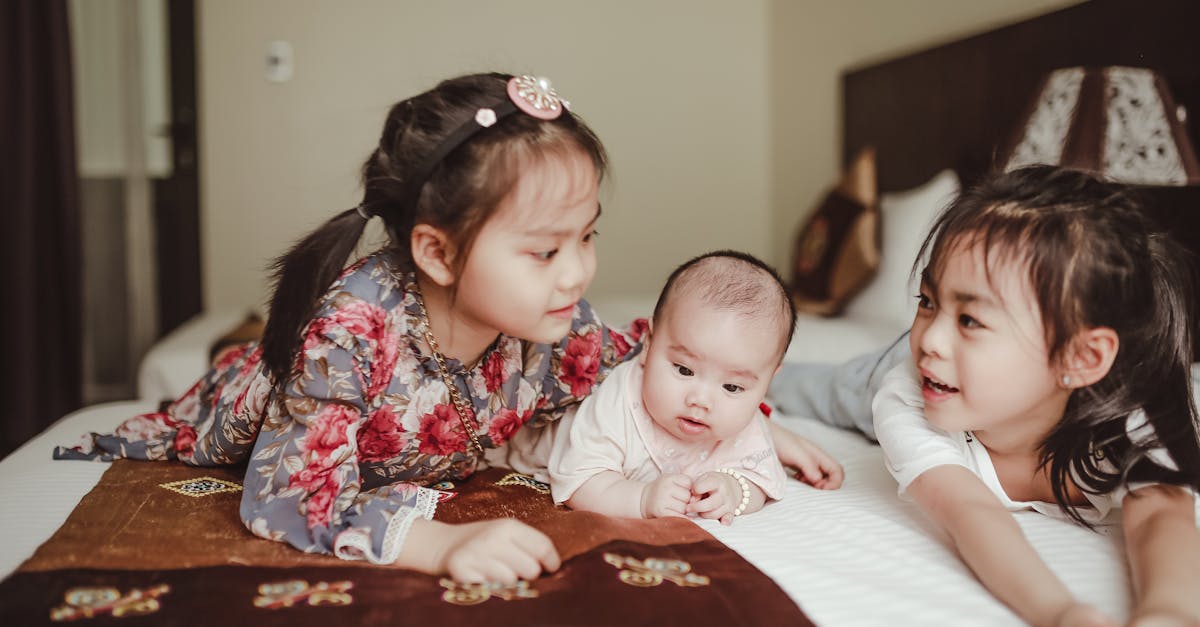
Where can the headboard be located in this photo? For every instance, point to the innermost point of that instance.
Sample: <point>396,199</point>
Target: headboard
<point>955,105</point>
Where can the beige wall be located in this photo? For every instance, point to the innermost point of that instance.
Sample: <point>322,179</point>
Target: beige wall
<point>812,42</point>
<point>720,117</point>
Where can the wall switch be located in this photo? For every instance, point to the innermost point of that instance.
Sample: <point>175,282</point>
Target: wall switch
<point>280,66</point>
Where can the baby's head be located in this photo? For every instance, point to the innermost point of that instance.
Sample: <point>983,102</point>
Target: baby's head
<point>719,332</point>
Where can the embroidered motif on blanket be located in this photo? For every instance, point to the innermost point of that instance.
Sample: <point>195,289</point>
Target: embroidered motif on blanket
<point>201,486</point>
<point>654,570</point>
<point>90,602</point>
<point>476,593</point>
<point>280,594</point>
<point>516,478</point>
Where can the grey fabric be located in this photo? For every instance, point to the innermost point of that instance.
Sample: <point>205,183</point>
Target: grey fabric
<point>839,394</point>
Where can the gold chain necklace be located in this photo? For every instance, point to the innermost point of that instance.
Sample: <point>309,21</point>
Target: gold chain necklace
<point>460,404</point>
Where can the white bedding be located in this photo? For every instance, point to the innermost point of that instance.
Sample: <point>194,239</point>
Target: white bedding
<point>855,556</point>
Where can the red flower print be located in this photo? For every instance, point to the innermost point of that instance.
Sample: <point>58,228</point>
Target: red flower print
<point>319,505</point>
<point>441,432</point>
<point>505,423</point>
<point>619,343</point>
<point>361,319</point>
<point>493,371</point>
<point>328,430</point>
<point>386,351</point>
<point>382,438</point>
<point>581,362</point>
<point>185,439</point>
<point>637,328</point>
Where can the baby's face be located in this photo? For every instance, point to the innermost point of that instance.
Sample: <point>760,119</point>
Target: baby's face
<point>706,370</point>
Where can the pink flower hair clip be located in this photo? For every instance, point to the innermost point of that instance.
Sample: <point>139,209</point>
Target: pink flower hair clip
<point>536,96</point>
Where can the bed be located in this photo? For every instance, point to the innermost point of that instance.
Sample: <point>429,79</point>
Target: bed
<point>858,555</point>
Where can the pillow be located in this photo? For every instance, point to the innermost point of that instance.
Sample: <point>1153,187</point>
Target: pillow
<point>907,217</point>
<point>837,250</point>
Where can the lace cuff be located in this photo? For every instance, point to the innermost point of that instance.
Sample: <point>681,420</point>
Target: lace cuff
<point>355,543</point>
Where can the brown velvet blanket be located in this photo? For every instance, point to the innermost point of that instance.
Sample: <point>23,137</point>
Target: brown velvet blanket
<point>161,543</point>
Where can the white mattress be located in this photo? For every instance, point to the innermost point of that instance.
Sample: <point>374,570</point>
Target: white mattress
<point>854,556</point>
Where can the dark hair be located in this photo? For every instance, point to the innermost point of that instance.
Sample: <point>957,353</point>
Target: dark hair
<point>735,281</point>
<point>1094,260</point>
<point>458,196</point>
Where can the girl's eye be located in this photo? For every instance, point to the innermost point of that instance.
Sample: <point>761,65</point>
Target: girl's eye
<point>967,322</point>
<point>591,235</point>
<point>732,389</point>
<point>546,255</point>
<point>924,302</point>
<point>683,370</point>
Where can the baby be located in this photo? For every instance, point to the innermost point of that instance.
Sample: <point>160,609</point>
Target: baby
<point>681,429</point>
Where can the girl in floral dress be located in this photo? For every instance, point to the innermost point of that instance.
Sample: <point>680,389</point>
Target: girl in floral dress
<point>401,370</point>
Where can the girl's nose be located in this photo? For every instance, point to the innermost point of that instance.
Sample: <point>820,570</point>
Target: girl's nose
<point>576,271</point>
<point>934,339</point>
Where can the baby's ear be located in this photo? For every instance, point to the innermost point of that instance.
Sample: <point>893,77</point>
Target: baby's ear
<point>1089,357</point>
<point>646,342</point>
<point>433,253</point>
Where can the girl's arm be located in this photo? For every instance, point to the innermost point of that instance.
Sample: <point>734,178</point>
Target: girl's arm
<point>992,544</point>
<point>814,466</point>
<point>609,492</point>
<point>1164,552</point>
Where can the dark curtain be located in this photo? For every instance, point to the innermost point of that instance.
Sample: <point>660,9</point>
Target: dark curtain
<point>41,343</point>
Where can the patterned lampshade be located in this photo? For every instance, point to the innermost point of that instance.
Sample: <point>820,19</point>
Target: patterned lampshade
<point>1120,123</point>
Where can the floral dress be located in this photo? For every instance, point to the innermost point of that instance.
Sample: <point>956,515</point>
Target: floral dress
<point>339,457</point>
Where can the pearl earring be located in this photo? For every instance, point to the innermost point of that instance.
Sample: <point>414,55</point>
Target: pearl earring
<point>1066,380</point>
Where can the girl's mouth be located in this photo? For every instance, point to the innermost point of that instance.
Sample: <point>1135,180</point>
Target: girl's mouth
<point>563,312</point>
<point>938,387</point>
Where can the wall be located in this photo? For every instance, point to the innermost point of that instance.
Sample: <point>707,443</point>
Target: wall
<point>811,43</point>
<point>676,89</point>
<point>720,117</point>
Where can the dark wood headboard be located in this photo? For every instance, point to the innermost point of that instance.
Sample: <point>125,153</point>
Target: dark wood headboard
<point>955,105</point>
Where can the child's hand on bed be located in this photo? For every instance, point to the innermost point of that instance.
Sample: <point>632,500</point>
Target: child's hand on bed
<point>667,496</point>
<point>813,465</point>
<point>501,550</point>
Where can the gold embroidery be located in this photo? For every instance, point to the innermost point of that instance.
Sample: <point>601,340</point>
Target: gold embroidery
<point>653,570</point>
<point>201,486</point>
<point>475,593</point>
<point>516,478</point>
<point>275,595</point>
<point>92,602</point>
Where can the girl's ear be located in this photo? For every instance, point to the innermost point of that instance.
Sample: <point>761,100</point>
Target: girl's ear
<point>432,253</point>
<point>1090,357</point>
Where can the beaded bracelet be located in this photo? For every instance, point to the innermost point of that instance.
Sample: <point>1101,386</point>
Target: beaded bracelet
<point>743,484</point>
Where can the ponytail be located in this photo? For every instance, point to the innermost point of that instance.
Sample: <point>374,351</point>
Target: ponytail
<point>302,276</point>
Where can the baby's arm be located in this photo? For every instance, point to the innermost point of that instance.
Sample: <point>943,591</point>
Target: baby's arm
<point>1164,549</point>
<point>721,494</point>
<point>815,466</point>
<point>609,492</point>
<point>992,544</point>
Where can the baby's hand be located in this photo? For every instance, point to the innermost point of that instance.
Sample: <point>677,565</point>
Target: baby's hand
<point>815,466</point>
<point>717,495</point>
<point>666,496</point>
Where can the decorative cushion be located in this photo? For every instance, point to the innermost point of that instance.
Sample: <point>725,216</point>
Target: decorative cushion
<point>836,252</point>
<point>907,216</point>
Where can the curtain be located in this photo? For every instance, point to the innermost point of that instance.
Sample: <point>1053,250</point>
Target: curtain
<point>40,243</point>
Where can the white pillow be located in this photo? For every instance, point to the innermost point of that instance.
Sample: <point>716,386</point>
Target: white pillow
<point>907,217</point>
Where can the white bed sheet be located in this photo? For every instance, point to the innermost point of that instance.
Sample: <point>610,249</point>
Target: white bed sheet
<point>854,556</point>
